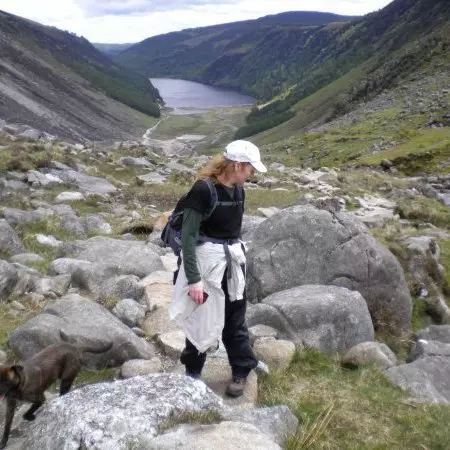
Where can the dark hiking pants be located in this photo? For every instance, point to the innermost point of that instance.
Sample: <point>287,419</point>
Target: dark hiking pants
<point>235,339</point>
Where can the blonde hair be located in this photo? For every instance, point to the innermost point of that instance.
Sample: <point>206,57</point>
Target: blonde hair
<point>217,166</point>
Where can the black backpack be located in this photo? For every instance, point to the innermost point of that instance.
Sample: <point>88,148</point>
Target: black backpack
<point>171,234</point>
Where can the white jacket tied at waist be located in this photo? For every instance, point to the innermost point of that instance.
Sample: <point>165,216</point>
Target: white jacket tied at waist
<point>203,324</point>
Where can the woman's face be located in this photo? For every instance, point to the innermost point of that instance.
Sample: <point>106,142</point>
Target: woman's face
<point>244,171</point>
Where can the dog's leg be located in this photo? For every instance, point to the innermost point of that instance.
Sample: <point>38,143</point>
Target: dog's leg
<point>65,385</point>
<point>29,415</point>
<point>10,409</point>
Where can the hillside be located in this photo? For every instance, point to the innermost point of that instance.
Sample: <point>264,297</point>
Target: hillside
<point>60,83</point>
<point>289,62</point>
<point>214,54</point>
<point>111,50</point>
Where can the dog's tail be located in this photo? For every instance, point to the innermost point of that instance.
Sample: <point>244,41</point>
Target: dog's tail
<point>101,348</point>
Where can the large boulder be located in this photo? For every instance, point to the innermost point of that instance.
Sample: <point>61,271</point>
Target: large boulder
<point>328,318</point>
<point>16,216</point>
<point>130,257</point>
<point>86,183</point>
<point>86,323</point>
<point>117,415</point>
<point>304,245</point>
<point>9,241</point>
<point>426,379</point>
<point>8,279</point>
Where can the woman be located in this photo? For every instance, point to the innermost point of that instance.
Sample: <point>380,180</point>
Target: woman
<point>209,298</point>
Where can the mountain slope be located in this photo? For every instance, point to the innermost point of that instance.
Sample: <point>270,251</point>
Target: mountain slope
<point>58,82</point>
<point>272,54</point>
<point>111,50</point>
<point>201,54</point>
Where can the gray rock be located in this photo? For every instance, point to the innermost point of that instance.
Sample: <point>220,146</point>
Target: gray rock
<point>38,179</point>
<point>261,331</point>
<point>58,285</point>
<point>3,357</point>
<point>8,279</point>
<point>69,196</point>
<point>104,282</point>
<point>249,225</point>
<point>51,241</point>
<point>423,348</point>
<point>131,161</point>
<point>439,333</point>
<point>262,314</point>
<point>276,353</point>
<point>85,183</point>
<point>15,185</point>
<point>224,435</point>
<point>426,379</point>
<point>73,224</point>
<point>276,421</point>
<point>151,178</point>
<point>96,223</point>
<point>136,367</point>
<point>328,318</point>
<point>136,258</point>
<point>304,245</point>
<point>130,312</point>
<point>86,323</point>
<point>370,353</point>
<point>16,216</point>
<point>26,258</point>
<point>117,415</point>
<point>9,241</point>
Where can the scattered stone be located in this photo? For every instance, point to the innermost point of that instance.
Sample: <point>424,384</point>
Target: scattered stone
<point>370,353</point>
<point>70,196</point>
<point>136,367</point>
<point>276,353</point>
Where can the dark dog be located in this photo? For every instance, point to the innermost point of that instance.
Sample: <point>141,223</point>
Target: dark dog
<point>29,381</point>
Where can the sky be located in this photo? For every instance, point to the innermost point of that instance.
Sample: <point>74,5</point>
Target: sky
<point>129,21</point>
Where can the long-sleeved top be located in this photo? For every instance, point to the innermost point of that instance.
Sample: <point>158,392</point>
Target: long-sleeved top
<point>189,239</point>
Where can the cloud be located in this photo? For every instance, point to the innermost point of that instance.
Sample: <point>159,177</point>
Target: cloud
<point>134,20</point>
<point>96,8</point>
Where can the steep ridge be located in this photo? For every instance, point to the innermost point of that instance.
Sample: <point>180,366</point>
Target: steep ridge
<point>58,82</point>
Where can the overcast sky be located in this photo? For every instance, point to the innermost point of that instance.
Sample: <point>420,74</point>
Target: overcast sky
<point>120,21</point>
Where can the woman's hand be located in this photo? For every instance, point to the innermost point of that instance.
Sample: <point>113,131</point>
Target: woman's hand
<point>196,292</point>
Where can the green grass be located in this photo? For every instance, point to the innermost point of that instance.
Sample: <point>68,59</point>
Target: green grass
<point>444,245</point>
<point>423,209</point>
<point>259,198</point>
<point>339,408</point>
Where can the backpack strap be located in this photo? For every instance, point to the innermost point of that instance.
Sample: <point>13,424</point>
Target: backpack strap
<point>238,197</point>
<point>214,197</point>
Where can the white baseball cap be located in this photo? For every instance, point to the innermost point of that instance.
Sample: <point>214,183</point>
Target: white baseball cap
<point>245,151</point>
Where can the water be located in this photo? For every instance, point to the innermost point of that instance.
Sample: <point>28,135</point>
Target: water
<point>189,97</point>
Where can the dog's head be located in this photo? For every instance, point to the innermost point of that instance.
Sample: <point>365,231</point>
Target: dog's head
<point>10,378</point>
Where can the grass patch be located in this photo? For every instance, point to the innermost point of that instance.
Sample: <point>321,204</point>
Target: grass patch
<point>93,376</point>
<point>351,409</point>
<point>419,154</point>
<point>162,196</point>
<point>259,198</point>
<point>423,209</point>
<point>444,245</point>
<point>197,417</point>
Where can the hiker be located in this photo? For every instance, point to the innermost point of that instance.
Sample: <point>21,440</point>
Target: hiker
<point>209,296</point>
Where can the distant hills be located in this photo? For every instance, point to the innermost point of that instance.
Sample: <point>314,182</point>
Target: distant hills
<point>59,82</point>
<point>111,50</point>
<point>228,54</point>
<point>283,59</point>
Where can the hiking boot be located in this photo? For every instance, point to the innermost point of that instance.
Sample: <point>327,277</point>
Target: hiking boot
<point>236,387</point>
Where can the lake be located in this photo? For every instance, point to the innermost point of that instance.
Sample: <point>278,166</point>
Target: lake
<point>189,97</point>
